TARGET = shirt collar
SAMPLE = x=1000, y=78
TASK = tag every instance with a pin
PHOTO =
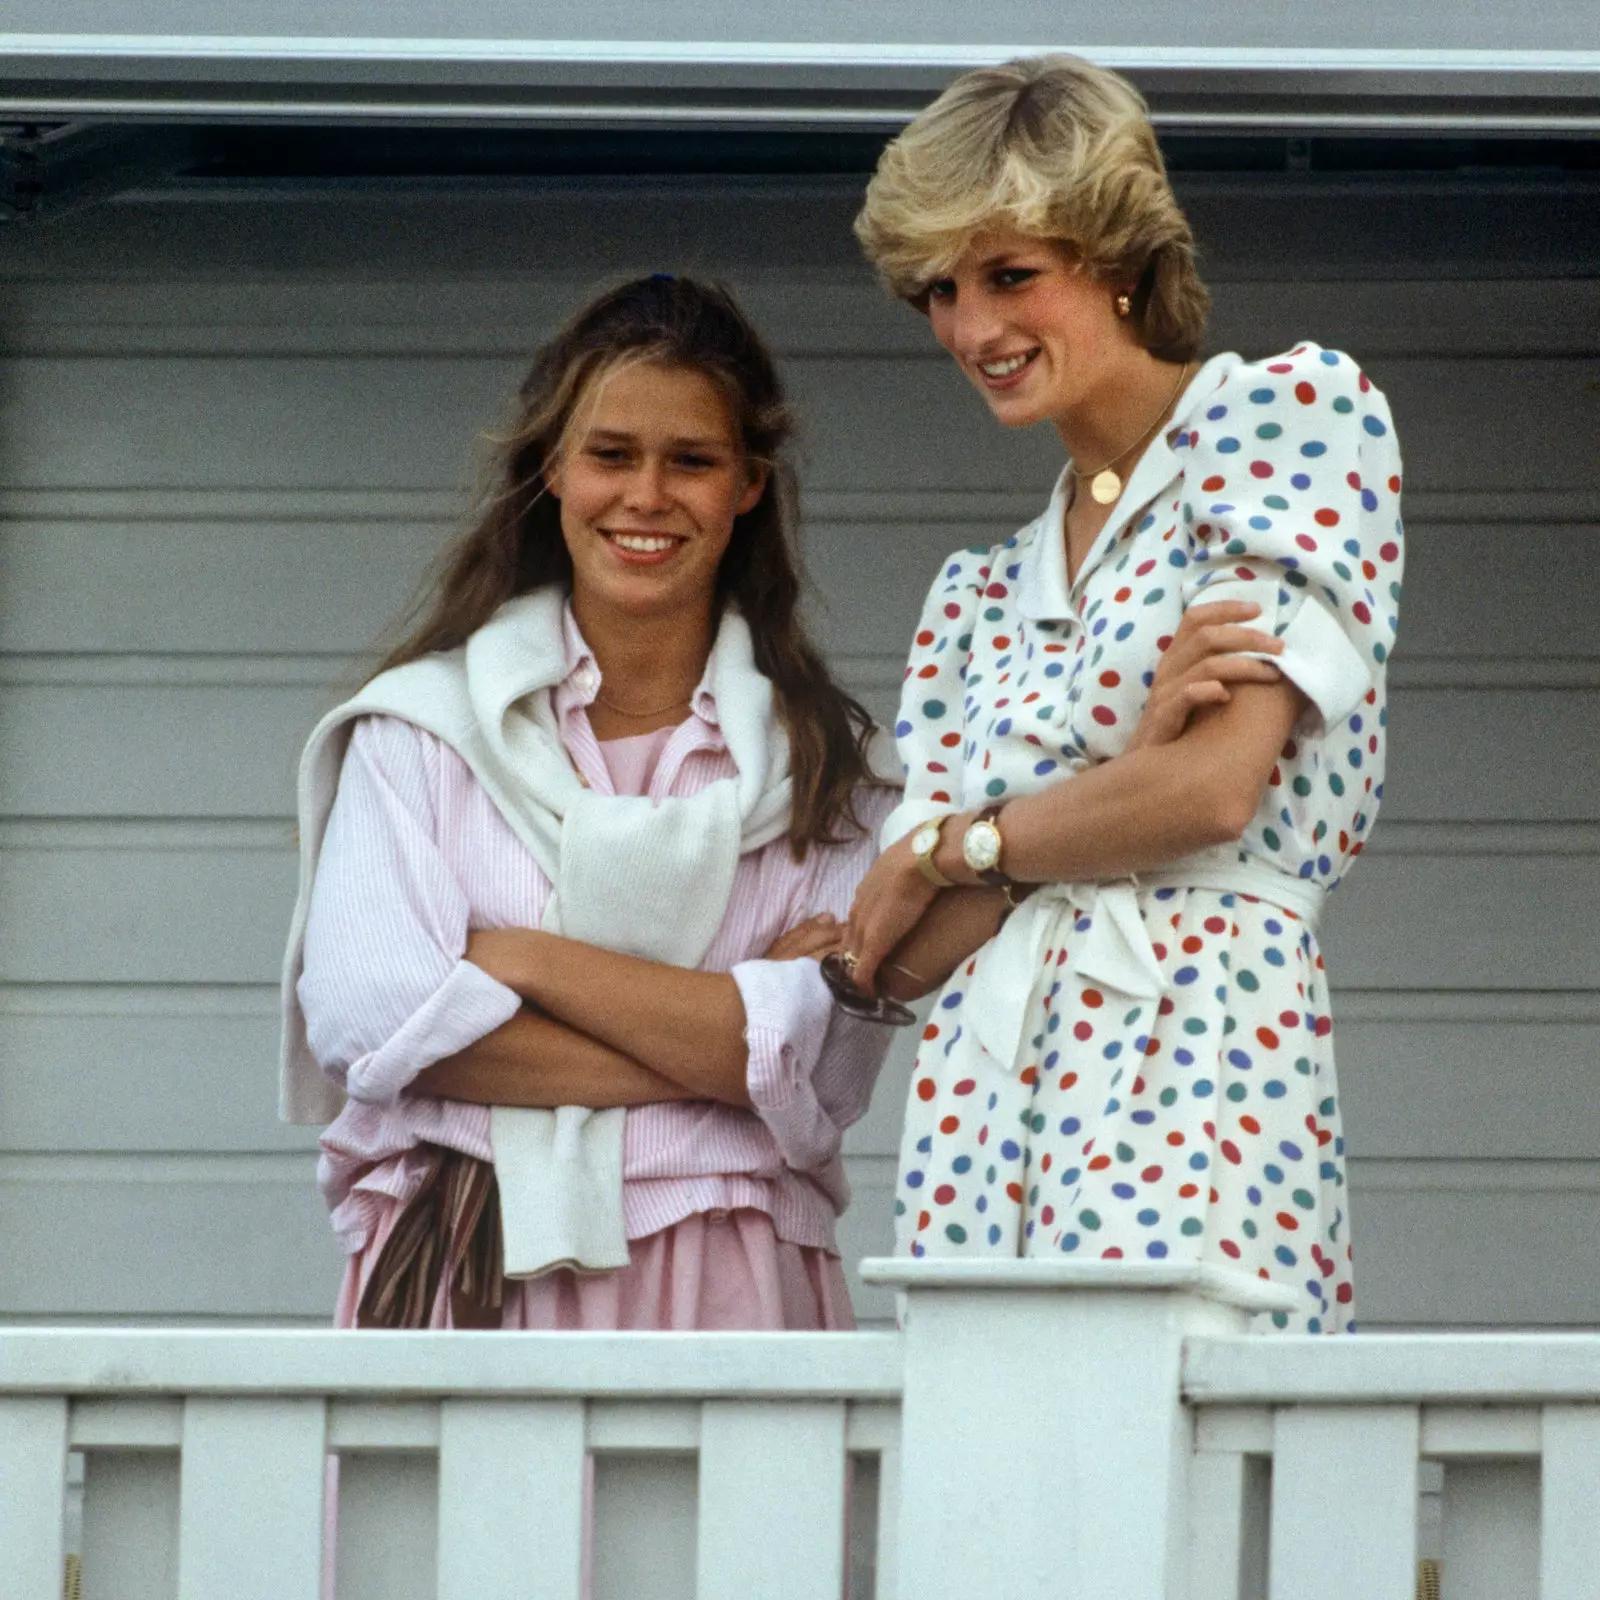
x=580, y=680
x=1043, y=592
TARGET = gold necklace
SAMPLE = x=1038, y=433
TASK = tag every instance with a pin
x=1105, y=486
x=622, y=711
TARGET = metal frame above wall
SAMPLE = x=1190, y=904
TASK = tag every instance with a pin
x=576, y=83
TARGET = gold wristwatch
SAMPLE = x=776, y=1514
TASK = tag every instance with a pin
x=923, y=844
x=981, y=845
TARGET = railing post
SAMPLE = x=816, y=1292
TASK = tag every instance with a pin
x=1044, y=1440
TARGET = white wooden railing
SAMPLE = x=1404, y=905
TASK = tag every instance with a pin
x=1036, y=1429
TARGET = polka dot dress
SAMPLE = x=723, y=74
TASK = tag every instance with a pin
x=1189, y=1112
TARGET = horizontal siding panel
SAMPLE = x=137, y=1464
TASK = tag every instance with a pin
x=205, y=1246
x=95, y=749
x=1250, y=227
x=801, y=316
x=873, y=423
x=1479, y=1252
x=194, y=913
x=1474, y=1245
x=118, y=585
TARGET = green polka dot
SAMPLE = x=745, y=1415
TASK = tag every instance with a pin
x=1344, y=405
x=1090, y=1220
x=1270, y=839
x=1248, y=1228
x=1301, y=785
x=1193, y=1025
x=1190, y=1226
x=1169, y=1097
x=1302, y=1065
x=995, y=786
x=1302, y=1198
x=1325, y=1108
x=1336, y=783
x=1343, y=571
x=1036, y=1122
x=1249, y=981
x=955, y=1233
x=1269, y=430
x=1125, y=1152
x=933, y=708
x=994, y=614
x=1237, y=1092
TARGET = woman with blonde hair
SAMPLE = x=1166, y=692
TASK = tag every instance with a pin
x=1132, y=1056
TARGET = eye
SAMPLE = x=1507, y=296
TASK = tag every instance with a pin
x=939, y=292
x=696, y=461
x=1014, y=277
x=609, y=455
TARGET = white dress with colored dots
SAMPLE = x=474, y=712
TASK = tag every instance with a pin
x=1143, y=1069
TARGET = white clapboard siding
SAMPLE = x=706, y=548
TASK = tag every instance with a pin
x=233, y=437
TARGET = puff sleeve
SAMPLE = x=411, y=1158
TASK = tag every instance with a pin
x=1291, y=499
x=929, y=730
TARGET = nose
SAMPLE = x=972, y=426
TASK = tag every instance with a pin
x=972, y=325
x=647, y=486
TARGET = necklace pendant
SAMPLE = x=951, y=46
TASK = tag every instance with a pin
x=1106, y=486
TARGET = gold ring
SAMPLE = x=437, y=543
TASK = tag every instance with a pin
x=848, y=961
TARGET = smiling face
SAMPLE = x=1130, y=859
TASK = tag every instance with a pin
x=1036, y=334
x=650, y=481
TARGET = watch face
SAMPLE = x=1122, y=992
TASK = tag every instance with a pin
x=925, y=840
x=980, y=846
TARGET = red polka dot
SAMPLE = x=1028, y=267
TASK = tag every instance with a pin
x=1174, y=1138
x=929, y=671
x=944, y=1194
x=1188, y=1191
x=1344, y=1294
x=950, y=740
x=1250, y=1125
x=1230, y=1152
x=1082, y=1031
x=1123, y=595
x=926, y=636
x=1213, y=483
x=1268, y=1038
x=1305, y=393
x=1214, y=925
x=926, y=1089
x=966, y=1086
x=1193, y=944
x=1389, y=551
x=1109, y=680
x=996, y=591
x=952, y=610
x=1069, y=1080
x=1328, y=517
x=1093, y=998
x=950, y=1125
x=1100, y=1163
x=1229, y=1248
x=1104, y=715
x=1288, y=1223
x=1150, y=1175
x=1014, y=1192
x=1260, y=469
x=930, y=1032
x=1360, y=611
x=1305, y=541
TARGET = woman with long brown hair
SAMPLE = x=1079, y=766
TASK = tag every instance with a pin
x=566, y=862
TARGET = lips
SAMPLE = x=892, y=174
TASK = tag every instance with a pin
x=1004, y=371
x=643, y=549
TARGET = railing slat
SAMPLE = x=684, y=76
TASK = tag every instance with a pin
x=387, y=1535
x=251, y=1500
x=1569, y=1562
x=33, y=1479
x=130, y=1524
x=772, y=1499
x=889, y=1489
x=511, y=1499
x=1344, y=1503
x=1228, y=1499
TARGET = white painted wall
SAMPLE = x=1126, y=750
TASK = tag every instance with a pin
x=233, y=432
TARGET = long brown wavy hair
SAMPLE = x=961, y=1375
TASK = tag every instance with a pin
x=516, y=543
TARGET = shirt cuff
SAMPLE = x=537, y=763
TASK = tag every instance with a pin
x=787, y=1011
x=466, y=1006
x=1320, y=660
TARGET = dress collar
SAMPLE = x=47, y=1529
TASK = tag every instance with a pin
x=1043, y=593
x=580, y=677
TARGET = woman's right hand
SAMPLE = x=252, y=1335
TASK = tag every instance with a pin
x=1197, y=668
x=816, y=937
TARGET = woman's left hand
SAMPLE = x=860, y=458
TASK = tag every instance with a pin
x=889, y=903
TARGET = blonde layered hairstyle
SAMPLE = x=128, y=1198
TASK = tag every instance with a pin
x=1055, y=148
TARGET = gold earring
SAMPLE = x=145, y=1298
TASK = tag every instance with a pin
x=1124, y=305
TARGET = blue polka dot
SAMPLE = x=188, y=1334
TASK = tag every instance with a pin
x=1313, y=448
x=1374, y=426
x=1123, y=1191
x=1216, y=413
x=1263, y=397
x=1149, y=1217
x=1156, y=1250
x=1185, y=975
x=1227, y=447
x=914, y=1180
x=1070, y=1125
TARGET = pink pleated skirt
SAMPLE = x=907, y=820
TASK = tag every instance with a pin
x=726, y=1271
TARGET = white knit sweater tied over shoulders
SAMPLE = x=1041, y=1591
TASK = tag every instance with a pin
x=651, y=878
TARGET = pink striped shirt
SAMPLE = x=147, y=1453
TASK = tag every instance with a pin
x=416, y=855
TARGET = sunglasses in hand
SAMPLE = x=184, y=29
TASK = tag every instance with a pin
x=838, y=972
